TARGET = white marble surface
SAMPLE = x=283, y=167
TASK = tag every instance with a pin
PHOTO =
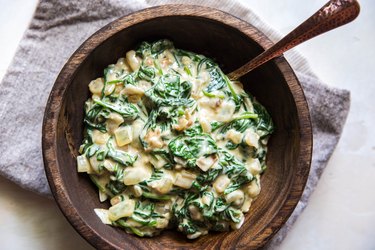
x=341, y=211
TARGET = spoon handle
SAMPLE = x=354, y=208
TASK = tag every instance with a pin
x=332, y=15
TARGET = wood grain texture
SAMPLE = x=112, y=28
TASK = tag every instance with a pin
x=230, y=42
x=332, y=15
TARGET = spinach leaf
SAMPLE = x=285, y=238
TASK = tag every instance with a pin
x=210, y=175
x=116, y=187
x=170, y=86
x=156, y=175
x=87, y=141
x=194, y=130
x=181, y=214
x=146, y=73
x=91, y=151
x=208, y=210
x=127, y=110
x=224, y=212
x=264, y=122
x=234, y=215
x=235, y=170
x=216, y=125
x=220, y=205
x=231, y=145
x=144, y=213
x=143, y=50
x=154, y=49
x=121, y=157
x=187, y=227
x=164, y=155
x=241, y=123
x=153, y=196
x=163, y=117
x=191, y=148
x=231, y=166
x=160, y=46
x=130, y=78
x=195, y=57
x=166, y=100
x=207, y=62
x=217, y=81
x=101, y=127
x=119, y=172
x=101, y=154
x=122, y=223
x=96, y=116
x=169, y=91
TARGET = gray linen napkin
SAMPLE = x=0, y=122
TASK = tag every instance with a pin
x=60, y=26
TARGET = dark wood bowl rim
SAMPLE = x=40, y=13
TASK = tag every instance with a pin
x=67, y=74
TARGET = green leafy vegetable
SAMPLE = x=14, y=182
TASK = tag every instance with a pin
x=264, y=125
x=190, y=148
x=121, y=157
x=175, y=94
x=95, y=117
x=155, y=196
x=127, y=110
x=146, y=73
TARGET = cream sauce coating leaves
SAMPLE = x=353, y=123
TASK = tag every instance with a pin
x=173, y=143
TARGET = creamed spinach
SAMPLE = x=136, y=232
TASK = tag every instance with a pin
x=173, y=143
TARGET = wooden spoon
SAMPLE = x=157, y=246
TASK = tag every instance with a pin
x=332, y=15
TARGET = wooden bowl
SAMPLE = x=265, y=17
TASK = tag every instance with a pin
x=231, y=42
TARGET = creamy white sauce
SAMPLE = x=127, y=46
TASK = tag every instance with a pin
x=127, y=158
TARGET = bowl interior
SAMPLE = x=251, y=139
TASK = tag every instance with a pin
x=273, y=84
